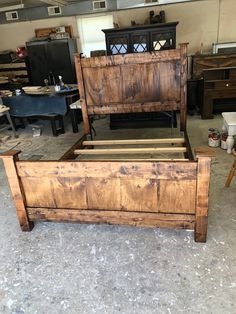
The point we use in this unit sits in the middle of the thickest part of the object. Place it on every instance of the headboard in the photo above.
(137, 82)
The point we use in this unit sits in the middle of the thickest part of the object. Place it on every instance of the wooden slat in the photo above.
(14, 72)
(105, 169)
(133, 107)
(113, 217)
(69, 154)
(203, 184)
(131, 58)
(134, 159)
(134, 142)
(12, 65)
(118, 151)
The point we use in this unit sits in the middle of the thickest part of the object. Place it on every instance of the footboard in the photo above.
(168, 194)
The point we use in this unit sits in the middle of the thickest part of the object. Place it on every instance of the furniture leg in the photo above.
(231, 174)
(11, 124)
(207, 108)
(229, 143)
(203, 183)
(54, 127)
(9, 160)
(74, 119)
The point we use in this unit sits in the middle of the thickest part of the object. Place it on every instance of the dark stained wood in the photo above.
(9, 160)
(202, 62)
(131, 58)
(82, 93)
(137, 219)
(147, 82)
(70, 153)
(183, 86)
(202, 197)
(134, 107)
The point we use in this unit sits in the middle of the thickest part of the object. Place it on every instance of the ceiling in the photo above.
(34, 3)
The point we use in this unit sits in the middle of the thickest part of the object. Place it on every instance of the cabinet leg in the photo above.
(229, 143)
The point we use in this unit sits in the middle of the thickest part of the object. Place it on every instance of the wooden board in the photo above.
(45, 32)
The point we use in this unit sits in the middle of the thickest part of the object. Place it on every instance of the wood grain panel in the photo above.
(138, 219)
(131, 58)
(102, 85)
(202, 198)
(150, 82)
(55, 192)
(133, 107)
(105, 169)
(103, 193)
(138, 195)
(176, 196)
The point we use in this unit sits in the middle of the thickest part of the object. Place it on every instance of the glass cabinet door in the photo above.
(118, 45)
(139, 42)
(162, 40)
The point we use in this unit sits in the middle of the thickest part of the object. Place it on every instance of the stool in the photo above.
(229, 125)
(4, 111)
(232, 170)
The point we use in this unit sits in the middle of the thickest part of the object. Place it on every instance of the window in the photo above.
(90, 31)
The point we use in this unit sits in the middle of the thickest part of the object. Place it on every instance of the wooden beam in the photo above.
(135, 142)
(10, 159)
(108, 108)
(203, 184)
(69, 154)
(118, 151)
(135, 159)
(139, 219)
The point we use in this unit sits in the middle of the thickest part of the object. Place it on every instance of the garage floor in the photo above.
(82, 269)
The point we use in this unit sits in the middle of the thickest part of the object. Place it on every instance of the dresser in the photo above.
(219, 84)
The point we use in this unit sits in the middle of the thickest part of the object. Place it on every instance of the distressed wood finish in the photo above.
(146, 82)
(146, 193)
(137, 219)
(136, 193)
(9, 160)
(203, 185)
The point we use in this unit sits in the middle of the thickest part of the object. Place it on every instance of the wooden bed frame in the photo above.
(135, 190)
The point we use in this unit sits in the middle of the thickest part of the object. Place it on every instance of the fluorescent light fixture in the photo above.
(55, 2)
(12, 7)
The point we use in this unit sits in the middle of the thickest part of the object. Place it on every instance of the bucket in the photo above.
(213, 137)
(224, 136)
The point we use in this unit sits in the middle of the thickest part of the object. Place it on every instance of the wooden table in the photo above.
(229, 125)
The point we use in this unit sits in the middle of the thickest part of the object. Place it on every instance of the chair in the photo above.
(232, 170)
(229, 125)
(4, 111)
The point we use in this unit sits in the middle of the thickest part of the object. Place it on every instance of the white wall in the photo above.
(16, 34)
(204, 21)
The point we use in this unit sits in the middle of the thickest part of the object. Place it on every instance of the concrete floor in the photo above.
(82, 269)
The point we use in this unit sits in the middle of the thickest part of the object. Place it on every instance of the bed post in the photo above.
(204, 157)
(87, 127)
(183, 86)
(9, 158)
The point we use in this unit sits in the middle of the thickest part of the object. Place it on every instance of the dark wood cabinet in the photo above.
(141, 38)
(136, 39)
(219, 84)
(51, 58)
